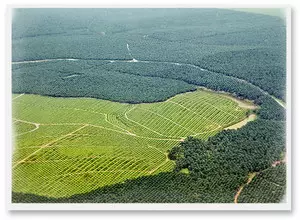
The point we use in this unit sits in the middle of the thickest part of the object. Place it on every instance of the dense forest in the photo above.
(267, 186)
(266, 67)
(209, 38)
(89, 79)
(223, 50)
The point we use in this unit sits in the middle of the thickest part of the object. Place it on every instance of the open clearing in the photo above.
(240, 124)
(66, 146)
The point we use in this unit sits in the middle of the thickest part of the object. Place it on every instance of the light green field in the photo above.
(65, 146)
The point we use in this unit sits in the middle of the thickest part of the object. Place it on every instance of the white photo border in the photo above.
(287, 206)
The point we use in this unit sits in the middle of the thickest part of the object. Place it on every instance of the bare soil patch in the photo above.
(240, 124)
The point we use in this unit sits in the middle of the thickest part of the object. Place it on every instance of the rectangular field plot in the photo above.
(66, 146)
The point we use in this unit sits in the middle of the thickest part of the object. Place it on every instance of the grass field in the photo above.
(65, 146)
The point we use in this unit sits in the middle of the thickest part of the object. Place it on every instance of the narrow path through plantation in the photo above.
(252, 175)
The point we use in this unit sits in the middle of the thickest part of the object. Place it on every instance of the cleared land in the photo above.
(69, 146)
(240, 124)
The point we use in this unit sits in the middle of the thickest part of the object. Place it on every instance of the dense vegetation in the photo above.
(250, 149)
(246, 45)
(267, 186)
(217, 168)
(81, 79)
(264, 67)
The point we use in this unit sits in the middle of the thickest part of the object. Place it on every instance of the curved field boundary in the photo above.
(98, 152)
